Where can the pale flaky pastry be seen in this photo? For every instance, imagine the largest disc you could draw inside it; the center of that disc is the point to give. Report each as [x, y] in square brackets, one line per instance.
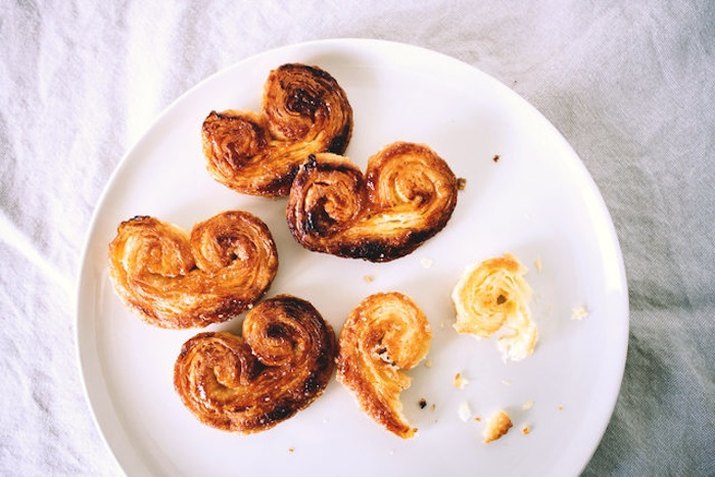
[176, 280]
[248, 384]
[406, 196]
[304, 112]
[492, 296]
[386, 334]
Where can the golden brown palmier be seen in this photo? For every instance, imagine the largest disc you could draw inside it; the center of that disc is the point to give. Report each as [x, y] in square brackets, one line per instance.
[174, 280]
[406, 196]
[249, 384]
[305, 111]
[385, 334]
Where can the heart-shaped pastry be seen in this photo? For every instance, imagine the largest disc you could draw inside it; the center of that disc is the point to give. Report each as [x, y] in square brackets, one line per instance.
[406, 196]
[304, 112]
[174, 280]
[385, 334]
[249, 384]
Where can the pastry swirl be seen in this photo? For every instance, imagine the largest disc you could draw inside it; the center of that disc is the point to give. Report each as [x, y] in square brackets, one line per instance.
[385, 334]
[304, 112]
[176, 280]
[494, 295]
[406, 196]
[249, 384]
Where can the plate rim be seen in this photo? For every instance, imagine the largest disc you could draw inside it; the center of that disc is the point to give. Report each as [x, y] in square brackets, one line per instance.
[363, 43]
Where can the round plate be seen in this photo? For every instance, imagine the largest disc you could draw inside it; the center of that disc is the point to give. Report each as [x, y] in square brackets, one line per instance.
[537, 201]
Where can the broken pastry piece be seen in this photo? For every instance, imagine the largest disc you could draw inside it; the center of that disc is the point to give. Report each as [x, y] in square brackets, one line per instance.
[386, 334]
[175, 279]
[304, 112]
[498, 425]
[250, 383]
[493, 297]
[406, 196]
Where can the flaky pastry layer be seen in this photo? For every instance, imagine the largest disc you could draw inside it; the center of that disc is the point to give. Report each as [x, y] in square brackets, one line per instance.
[492, 296]
[176, 280]
[384, 335]
[304, 112]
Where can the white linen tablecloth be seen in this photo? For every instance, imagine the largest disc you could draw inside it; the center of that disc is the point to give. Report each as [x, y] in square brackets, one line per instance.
[630, 84]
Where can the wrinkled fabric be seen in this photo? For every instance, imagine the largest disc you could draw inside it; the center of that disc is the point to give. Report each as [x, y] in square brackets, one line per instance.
[630, 84]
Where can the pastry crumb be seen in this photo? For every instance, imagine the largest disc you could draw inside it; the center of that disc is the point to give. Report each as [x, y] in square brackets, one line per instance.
[428, 363]
[498, 425]
[459, 381]
[537, 264]
[426, 262]
[496, 158]
[561, 407]
[422, 403]
[478, 418]
[433, 407]
[291, 449]
[579, 313]
[526, 430]
[368, 279]
[464, 412]
[528, 405]
[461, 183]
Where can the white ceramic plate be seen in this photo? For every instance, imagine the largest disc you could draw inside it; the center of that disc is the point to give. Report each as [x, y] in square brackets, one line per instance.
[538, 200]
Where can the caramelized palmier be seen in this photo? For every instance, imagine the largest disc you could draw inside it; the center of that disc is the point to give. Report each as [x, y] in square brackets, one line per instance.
[406, 196]
[304, 112]
[386, 334]
[176, 280]
[247, 384]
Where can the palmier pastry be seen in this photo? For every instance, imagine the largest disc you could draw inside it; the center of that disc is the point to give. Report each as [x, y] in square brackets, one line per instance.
[174, 280]
[249, 384]
[304, 112]
[385, 334]
[491, 296]
[406, 196]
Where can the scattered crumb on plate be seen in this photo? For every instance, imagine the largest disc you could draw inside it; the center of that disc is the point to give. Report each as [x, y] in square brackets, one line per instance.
[428, 363]
[526, 430]
[422, 403]
[528, 405]
[368, 278]
[464, 412]
[291, 449]
[579, 313]
[496, 158]
[461, 183]
[478, 418]
[433, 407]
[561, 407]
[498, 425]
[459, 381]
[426, 262]
[537, 263]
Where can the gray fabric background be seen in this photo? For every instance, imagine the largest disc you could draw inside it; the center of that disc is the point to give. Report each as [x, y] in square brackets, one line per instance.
[630, 84]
